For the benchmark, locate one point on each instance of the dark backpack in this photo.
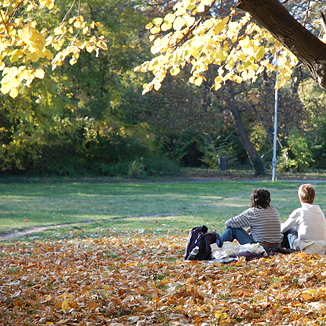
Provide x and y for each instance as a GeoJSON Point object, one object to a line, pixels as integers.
{"type": "Point", "coordinates": [199, 237]}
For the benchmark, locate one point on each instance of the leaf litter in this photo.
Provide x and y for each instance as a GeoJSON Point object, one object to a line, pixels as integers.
{"type": "Point", "coordinates": [140, 279]}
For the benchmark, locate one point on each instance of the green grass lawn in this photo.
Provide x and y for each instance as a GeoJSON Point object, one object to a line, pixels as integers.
{"type": "Point", "coordinates": [152, 207]}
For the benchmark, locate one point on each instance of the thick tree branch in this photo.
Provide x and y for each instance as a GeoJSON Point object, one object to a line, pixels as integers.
{"type": "Point", "coordinates": [323, 20]}
{"type": "Point", "coordinates": [302, 43]}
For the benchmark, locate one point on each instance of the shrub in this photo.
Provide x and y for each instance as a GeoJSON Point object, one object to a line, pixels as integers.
{"type": "Point", "coordinates": [110, 170]}
{"type": "Point", "coordinates": [297, 156]}
{"type": "Point", "coordinates": [160, 167]}
{"type": "Point", "coordinates": [319, 145]}
{"type": "Point", "coordinates": [137, 169]}
{"type": "Point", "coordinates": [201, 149]}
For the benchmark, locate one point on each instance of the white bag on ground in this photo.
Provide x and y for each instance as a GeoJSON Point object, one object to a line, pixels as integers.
{"type": "Point", "coordinates": [233, 248]}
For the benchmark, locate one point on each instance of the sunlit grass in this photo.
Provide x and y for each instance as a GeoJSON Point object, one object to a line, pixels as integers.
{"type": "Point", "coordinates": [138, 206]}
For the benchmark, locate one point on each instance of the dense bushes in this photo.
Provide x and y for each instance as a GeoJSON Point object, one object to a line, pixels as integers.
{"type": "Point", "coordinates": [194, 149]}
{"type": "Point", "coordinates": [72, 153]}
{"type": "Point", "coordinates": [84, 148]}
{"type": "Point", "coordinates": [318, 147]}
{"type": "Point", "coordinates": [70, 147]}
{"type": "Point", "coordinates": [106, 156]}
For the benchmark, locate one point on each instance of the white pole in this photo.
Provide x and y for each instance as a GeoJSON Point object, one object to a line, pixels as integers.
{"type": "Point", "coordinates": [274, 160]}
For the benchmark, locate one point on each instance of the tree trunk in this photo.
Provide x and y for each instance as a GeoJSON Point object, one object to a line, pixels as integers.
{"type": "Point", "coordinates": [255, 159]}
{"type": "Point", "coordinates": [273, 16]}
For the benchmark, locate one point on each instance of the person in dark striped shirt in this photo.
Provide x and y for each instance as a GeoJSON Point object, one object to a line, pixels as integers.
{"type": "Point", "coordinates": [262, 219]}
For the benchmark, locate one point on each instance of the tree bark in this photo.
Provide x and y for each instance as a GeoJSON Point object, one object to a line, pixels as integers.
{"type": "Point", "coordinates": [255, 159]}
{"type": "Point", "coordinates": [273, 16]}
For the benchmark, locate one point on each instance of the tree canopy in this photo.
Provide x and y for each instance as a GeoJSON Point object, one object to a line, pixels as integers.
{"type": "Point", "coordinates": [88, 115]}
{"type": "Point", "coordinates": [200, 33]}
{"type": "Point", "coordinates": [29, 43]}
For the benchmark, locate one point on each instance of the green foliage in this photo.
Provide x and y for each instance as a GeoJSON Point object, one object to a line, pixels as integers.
{"type": "Point", "coordinates": [62, 165]}
{"type": "Point", "coordinates": [183, 148]}
{"type": "Point", "coordinates": [137, 169]}
{"type": "Point", "coordinates": [112, 148]}
{"type": "Point", "coordinates": [160, 167]}
{"type": "Point", "coordinates": [300, 148]}
{"type": "Point", "coordinates": [224, 144]}
{"type": "Point", "coordinates": [312, 96]}
{"type": "Point", "coordinates": [73, 122]}
{"type": "Point", "coordinates": [195, 149]}
{"type": "Point", "coordinates": [298, 155]}
{"type": "Point", "coordinates": [90, 117]}
{"type": "Point", "coordinates": [285, 163]}
{"type": "Point", "coordinates": [75, 146]}
{"type": "Point", "coordinates": [259, 167]}
{"type": "Point", "coordinates": [262, 143]}
{"type": "Point", "coordinates": [145, 167]}
{"type": "Point", "coordinates": [319, 145]}
{"type": "Point", "coordinates": [111, 170]}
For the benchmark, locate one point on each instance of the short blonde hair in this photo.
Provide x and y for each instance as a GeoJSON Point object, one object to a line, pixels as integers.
{"type": "Point", "coordinates": [306, 193]}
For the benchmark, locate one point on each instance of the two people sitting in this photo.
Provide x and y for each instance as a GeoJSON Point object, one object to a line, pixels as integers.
{"type": "Point", "coordinates": [305, 229]}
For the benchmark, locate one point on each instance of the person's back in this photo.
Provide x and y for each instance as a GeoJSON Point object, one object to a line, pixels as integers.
{"type": "Point", "coordinates": [307, 223]}
{"type": "Point", "coordinates": [311, 223]}
{"type": "Point", "coordinates": [262, 219]}
{"type": "Point", "coordinates": [264, 224]}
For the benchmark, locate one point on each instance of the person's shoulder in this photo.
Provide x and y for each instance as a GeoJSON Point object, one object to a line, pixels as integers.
{"type": "Point", "coordinates": [262, 210]}
{"type": "Point", "coordinates": [297, 211]}
{"type": "Point", "coordinates": [270, 207]}
{"type": "Point", "coordinates": [249, 211]}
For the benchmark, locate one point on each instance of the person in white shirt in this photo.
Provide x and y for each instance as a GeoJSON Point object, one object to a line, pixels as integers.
{"type": "Point", "coordinates": [305, 228]}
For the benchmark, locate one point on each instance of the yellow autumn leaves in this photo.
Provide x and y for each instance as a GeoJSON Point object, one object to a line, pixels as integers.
{"type": "Point", "coordinates": [29, 47]}
{"type": "Point", "coordinates": [132, 278]}
{"type": "Point", "coordinates": [170, 21]}
{"type": "Point", "coordinates": [26, 49]}
{"type": "Point", "coordinates": [238, 48]}
{"type": "Point", "coordinates": [14, 76]}
{"type": "Point", "coordinates": [47, 3]}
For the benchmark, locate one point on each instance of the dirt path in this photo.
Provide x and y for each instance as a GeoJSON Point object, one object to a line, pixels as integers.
{"type": "Point", "coordinates": [35, 229]}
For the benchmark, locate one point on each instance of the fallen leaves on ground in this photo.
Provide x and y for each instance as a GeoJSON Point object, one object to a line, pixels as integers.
{"type": "Point", "coordinates": [143, 280]}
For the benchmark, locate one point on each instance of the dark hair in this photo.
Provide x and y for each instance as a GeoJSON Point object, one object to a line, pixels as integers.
{"type": "Point", "coordinates": [260, 198]}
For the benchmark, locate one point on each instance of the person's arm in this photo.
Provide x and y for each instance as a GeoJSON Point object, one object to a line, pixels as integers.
{"type": "Point", "coordinates": [291, 221]}
{"type": "Point", "coordinates": [239, 221]}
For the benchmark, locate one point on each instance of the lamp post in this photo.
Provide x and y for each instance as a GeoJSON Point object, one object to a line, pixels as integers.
{"type": "Point", "coordinates": [274, 160]}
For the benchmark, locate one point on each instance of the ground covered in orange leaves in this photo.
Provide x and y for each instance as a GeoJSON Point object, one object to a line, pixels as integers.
{"type": "Point", "coordinates": [138, 279]}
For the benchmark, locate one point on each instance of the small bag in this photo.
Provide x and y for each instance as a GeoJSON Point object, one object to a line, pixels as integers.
{"type": "Point", "coordinates": [199, 237]}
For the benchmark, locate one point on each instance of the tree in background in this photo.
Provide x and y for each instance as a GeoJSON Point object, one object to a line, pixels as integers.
{"type": "Point", "coordinates": [208, 33]}
{"type": "Point", "coordinates": [74, 119]}
{"type": "Point", "coordinates": [90, 117]}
